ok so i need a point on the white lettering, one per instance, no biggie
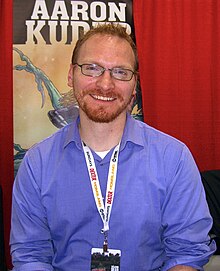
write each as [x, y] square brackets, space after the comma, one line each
[53, 32]
[114, 10]
[79, 7]
[77, 28]
[93, 11]
[66, 27]
[40, 8]
[59, 9]
[35, 32]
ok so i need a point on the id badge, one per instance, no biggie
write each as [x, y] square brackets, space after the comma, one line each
[105, 261]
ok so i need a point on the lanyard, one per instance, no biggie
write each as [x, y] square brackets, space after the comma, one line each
[104, 210]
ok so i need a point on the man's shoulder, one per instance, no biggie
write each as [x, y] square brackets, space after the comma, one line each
[152, 135]
[56, 140]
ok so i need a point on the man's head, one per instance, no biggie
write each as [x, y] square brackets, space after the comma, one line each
[106, 29]
[103, 73]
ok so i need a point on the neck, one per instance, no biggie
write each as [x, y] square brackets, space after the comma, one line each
[101, 136]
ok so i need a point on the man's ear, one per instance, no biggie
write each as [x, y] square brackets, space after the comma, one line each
[134, 91]
[70, 76]
[135, 87]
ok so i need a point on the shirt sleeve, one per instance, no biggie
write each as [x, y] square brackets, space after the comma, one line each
[35, 266]
[186, 219]
[30, 240]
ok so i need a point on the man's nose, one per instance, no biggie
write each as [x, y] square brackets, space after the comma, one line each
[105, 81]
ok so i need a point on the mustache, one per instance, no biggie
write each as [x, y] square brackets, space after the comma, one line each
[98, 92]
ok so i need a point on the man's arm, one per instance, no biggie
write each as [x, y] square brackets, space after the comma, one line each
[30, 240]
[182, 268]
[186, 219]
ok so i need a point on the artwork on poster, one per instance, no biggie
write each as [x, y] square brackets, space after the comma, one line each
[45, 33]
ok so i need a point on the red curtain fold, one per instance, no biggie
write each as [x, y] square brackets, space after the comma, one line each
[179, 52]
[6, 119]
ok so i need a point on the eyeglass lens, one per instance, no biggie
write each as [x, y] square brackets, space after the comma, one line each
[96, 70]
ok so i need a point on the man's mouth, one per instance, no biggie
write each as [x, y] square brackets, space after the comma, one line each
[103, 98]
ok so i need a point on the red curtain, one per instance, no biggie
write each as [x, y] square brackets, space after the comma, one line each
[6, 123]
[179, 54]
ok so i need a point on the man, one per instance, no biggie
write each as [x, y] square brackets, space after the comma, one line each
[153, 216]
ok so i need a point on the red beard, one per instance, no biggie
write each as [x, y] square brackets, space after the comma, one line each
[102, 114]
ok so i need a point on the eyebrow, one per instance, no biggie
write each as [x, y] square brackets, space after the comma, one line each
[118, 66]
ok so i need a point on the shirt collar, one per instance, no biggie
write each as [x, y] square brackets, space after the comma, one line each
[132, 133]
[72, 134]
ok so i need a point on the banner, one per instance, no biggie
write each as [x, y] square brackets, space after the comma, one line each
[45, 33]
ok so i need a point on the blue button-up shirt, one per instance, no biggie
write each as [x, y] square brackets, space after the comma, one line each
[159, 216]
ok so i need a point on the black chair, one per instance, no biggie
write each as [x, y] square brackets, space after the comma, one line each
[2, 250]
[211, 183]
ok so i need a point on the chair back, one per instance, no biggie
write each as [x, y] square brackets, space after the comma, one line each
[211, 183]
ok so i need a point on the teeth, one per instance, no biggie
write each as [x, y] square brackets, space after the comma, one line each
[102, 98]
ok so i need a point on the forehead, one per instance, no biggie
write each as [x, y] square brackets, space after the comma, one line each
[106, 48]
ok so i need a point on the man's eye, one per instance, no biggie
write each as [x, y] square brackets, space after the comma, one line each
[121, 72]
[92, 68]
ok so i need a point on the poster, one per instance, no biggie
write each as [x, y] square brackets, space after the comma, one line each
[45, 33]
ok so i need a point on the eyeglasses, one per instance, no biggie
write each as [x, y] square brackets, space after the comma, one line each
[95, 70]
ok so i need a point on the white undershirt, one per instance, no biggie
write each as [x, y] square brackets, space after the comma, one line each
[102, 154]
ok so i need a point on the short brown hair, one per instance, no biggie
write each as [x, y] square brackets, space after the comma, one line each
[106, 29]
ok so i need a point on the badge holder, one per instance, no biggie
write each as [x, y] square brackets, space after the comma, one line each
[105, 261]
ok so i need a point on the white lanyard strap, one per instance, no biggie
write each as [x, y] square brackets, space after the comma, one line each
[104, 211]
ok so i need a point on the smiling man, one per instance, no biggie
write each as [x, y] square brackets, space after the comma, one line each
[108, 192]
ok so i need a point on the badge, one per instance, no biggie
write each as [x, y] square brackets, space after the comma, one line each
[105, 261]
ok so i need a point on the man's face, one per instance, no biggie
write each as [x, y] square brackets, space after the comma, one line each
[103, 98]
